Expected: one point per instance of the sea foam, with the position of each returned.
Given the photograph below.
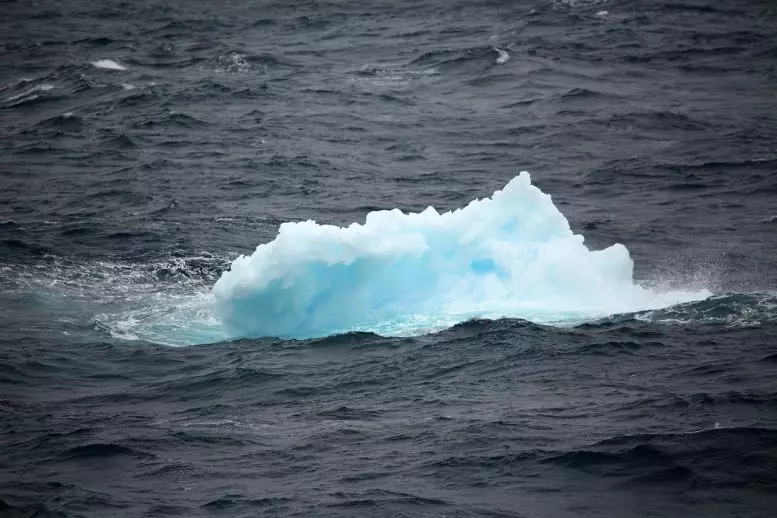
(510, 255)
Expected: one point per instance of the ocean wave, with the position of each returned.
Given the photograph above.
(26, 93)
(450, 59)
(29, 96)
(108, 64)
(731, 309)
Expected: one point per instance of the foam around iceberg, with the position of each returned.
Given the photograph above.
(510, 255)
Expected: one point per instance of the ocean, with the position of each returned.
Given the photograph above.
(414, 258)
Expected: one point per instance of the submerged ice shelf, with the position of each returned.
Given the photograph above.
(510, 255)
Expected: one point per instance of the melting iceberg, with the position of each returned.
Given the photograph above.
(510, 255)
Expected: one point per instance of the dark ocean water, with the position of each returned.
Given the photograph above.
(147, 144)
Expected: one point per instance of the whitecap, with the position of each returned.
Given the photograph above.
(234, 62)
(108, 64)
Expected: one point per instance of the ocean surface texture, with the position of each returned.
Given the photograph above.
(222, 292)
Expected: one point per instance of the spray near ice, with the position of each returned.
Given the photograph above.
(510, 255)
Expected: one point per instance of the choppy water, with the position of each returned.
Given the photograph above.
(146, 145)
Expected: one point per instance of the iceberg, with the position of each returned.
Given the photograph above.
(511, 255)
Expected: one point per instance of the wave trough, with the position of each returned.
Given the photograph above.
(510, 255)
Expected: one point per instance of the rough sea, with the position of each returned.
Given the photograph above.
(222, 292)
